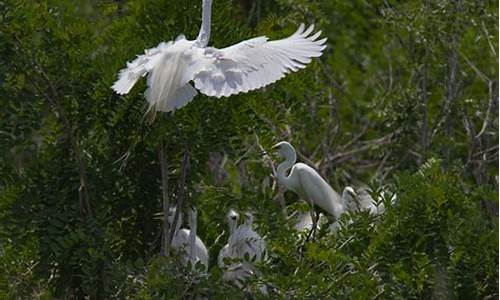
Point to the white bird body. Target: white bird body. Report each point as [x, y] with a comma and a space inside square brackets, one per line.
[240, 68]
[307, 183]
[186, 243]
[304, 222]
[243, 243]
[181, 243]
[363, 201]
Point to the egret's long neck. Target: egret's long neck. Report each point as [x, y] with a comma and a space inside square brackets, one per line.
[232, 227]
[192, 234]
[290, 159]
[178, 224]
[204, 35]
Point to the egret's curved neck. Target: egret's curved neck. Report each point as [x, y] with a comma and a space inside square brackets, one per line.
[204, 35]
[290, 159]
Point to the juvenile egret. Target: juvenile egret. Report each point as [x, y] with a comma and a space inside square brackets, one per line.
[305, 222]
[363, 201]
[306, 182]
[240, 68]
[244, 245]
[186, 243]
[232, 221]
[349, 197]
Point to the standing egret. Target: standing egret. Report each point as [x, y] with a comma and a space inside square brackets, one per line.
[186, 243]
[306, 182]
[246, 66]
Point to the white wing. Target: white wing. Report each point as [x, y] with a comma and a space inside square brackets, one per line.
[139, 67]
[255, 63]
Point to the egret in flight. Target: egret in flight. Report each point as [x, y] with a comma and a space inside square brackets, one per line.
[246, 66]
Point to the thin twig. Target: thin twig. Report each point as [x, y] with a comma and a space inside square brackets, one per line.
[54, 99]
[493, 89]
[165, 243]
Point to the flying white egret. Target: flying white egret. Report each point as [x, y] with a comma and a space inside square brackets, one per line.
[240, 68]
[245, 246]
[306, 182]
[185, 242]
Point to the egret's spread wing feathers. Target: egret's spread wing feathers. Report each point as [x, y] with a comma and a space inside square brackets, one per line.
[255, 63]
[139, 67]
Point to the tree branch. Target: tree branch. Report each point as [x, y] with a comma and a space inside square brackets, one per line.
[54, 99]
[182, 187]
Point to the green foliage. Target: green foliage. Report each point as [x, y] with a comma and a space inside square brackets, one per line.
[405, 97]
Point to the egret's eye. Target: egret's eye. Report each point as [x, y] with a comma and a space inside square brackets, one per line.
[233, 217]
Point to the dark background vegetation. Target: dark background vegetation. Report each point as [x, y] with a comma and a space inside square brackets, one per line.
[405, 97]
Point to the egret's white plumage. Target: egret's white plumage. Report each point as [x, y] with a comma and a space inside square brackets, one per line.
[186, 243]
[232, 221]
[306, 182]
[349, 196]
[245, 246]
[363, 201]
[240, 68]
[304, 221]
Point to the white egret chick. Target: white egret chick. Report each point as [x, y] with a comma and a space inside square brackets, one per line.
[185, 242]
[363, 201]
[246, 66]
[349, 196]
[245, 246]
[306, 182]
[304, 221]
[232, 221]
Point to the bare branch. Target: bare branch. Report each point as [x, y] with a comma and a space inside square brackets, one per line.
[493, 89]
[182, 187]
[487, 34]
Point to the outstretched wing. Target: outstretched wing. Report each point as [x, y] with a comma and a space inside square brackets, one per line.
[255, 63]
[139, 67]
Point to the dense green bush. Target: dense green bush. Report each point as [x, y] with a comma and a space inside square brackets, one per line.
[404, 97]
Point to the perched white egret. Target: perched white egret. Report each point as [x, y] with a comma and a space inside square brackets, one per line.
[306, 182]
[185, 242]
[240, 68]
[245, 246]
